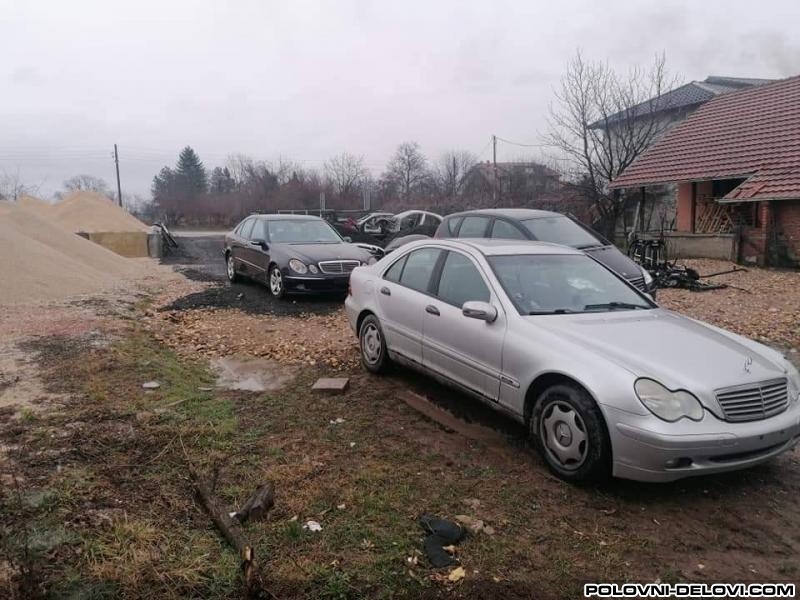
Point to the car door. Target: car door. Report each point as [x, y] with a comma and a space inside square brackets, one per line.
[239, 246]
[402, 296]
[465, 350]
[259, 253]
[250, 255]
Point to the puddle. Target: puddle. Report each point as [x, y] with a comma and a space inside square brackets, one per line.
[252, 374]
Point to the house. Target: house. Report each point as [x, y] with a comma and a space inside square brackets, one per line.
[516, 183]
[735, 163]
[658, 115]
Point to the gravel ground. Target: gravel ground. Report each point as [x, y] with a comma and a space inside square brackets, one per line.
[762, 304]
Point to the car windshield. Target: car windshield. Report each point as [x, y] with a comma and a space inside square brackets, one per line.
[301, 232]
[558, 284]
[561, 230]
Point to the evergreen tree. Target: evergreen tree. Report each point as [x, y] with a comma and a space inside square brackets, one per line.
[192, 173]
[221, 180]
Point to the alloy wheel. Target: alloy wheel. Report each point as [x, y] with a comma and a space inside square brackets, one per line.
[231, 268]
[563, 434]
[275, 282]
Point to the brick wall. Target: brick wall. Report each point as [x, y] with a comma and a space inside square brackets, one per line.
[786, 215]
[683, 207]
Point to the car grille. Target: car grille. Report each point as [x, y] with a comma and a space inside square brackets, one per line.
[753, 401]
[638, 282]
[333, 267]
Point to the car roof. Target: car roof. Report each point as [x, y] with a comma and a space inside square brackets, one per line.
[498, 247]
[512, 213]
[414, 210]
[287, 217]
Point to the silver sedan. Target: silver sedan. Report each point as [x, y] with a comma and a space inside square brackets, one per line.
[606, 381]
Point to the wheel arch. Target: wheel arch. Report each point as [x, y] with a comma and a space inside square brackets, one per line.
[544, 381]
[361, 316]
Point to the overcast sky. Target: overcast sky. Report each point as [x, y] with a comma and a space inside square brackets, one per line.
[306, 80]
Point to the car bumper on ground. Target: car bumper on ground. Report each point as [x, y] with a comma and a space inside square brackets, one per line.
[316, 284]
[646, 455]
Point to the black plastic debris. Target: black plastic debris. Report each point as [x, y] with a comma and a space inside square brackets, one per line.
[441, 533]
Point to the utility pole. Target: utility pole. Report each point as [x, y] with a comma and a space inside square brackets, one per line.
[119, 187]
[494, 161]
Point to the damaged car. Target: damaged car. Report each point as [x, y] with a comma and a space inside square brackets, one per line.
[556, 339]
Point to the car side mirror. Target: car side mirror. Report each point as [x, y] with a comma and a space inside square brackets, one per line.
[262, 243]
[483, 311]
[348, 239]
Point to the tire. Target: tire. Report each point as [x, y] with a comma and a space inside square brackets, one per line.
[571, 435]
[275, 283]
[372, 345]
[230, 268]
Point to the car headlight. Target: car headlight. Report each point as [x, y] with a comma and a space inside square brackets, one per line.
[648, 279]
[313, 269]
[297, 266]
[666, 404]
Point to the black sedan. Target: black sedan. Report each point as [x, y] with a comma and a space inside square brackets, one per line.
[544, 226]
[292, 253]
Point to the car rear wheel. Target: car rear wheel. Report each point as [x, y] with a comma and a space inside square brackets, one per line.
[571, 435]
[230, 267]
[276, 286]
[373, 345]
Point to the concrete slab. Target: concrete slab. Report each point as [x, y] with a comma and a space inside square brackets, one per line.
[335, 385]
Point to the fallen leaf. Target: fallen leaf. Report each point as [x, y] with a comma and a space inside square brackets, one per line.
[457, 574]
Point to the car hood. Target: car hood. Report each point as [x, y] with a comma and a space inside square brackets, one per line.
[314, 253]
[673, 349]
[615, 260]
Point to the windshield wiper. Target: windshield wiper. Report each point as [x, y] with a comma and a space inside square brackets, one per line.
[587, 246]
[557, 311]
[614, 305]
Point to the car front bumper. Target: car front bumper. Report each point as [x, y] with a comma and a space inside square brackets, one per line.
[311, 284]
[710, 446]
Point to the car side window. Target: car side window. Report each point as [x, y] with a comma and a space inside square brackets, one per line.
[419, 268]
[393, 272]
[247, 227]
[461, 281]
[506, 231]
[473, 227]
[452, 225]
[259, 231]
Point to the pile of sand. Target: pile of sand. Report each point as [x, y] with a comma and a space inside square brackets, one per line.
[35, 206]
[90, 212]
[43, 261]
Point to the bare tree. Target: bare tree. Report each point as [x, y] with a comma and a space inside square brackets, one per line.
[451, 170]
[601, 122]
[12, 188]
[345, 172]
[408, 169]
[86, 183]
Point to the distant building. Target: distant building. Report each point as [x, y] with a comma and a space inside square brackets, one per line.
[670, 109]
[735, 163]
[517, 183]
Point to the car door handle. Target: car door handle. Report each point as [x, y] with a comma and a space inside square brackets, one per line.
[386, 291]
[431, 309]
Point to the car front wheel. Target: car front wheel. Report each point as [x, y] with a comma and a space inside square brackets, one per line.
[571, 435]
[373, 345]
[276, 285]
[230, 267]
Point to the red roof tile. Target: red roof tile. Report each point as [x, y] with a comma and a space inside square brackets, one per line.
[752, 133]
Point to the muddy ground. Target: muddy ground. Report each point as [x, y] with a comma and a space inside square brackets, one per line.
[96, 500]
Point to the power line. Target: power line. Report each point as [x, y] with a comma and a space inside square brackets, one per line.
[523, 145]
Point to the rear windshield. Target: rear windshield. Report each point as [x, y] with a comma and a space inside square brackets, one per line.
[561, 230]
